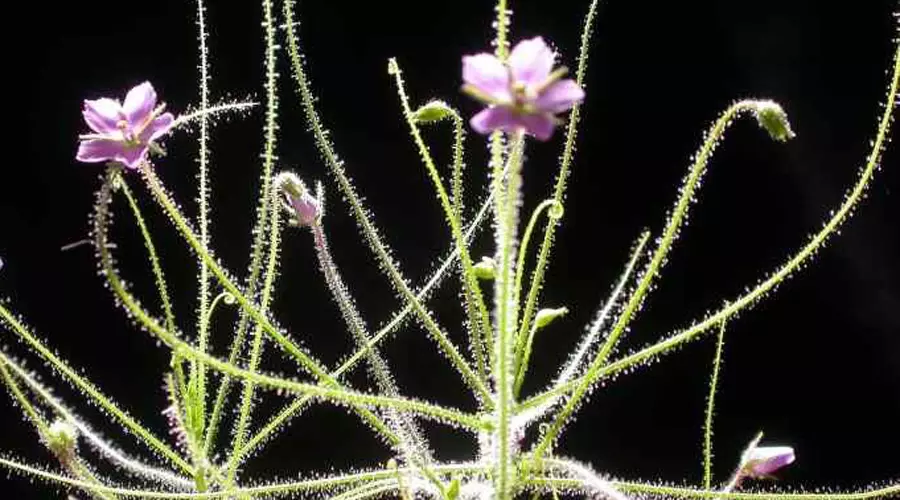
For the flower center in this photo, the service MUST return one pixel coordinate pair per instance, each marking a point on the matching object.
(128, 136)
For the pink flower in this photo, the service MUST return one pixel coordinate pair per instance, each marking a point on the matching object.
(523, 94)
(762, 461)
(306, 207)
(123, 132)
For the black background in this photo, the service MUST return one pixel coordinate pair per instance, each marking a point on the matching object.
(816, 365)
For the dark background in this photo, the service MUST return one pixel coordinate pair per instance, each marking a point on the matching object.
(817, 365)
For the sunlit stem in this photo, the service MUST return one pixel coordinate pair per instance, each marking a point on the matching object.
(451, 213)
(107, 449)
(668, 237)
(203, 294)
(508, 196)
(710, 408)
(295, 407)
(523, 337)
(758, 292)
(565, 165)
(158, 275)
(92, 392)
(73, 464)
(411, 443)
(262, 211)
(274, 247)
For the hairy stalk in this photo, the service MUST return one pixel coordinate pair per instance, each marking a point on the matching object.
(412, 444)
(757, 293)
(295, 407)
(285, 490)
(679, 212)
(158, 275)
(88, 389)
(211, 111)
(203, 294)
(663, 491)
(257, 251)
(386, 262)
(576, 362)
(710, 406)
(184, 349)
(508, 203)
(73, 464)
(103, 447)
(240, 432)
(523, 342)
(471, 288)
(456, 184)
(565, 165)
(590, 480)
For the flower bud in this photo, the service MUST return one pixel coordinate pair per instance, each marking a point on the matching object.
(762, 461)
(545, 316)
(300, 202)
(486, 269)
(61, 439)
(432, 112)
(773, 119)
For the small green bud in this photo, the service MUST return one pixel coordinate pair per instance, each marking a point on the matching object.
(545, 316)
(453, 489)
(773, 119)
(432, 112)
(486, 269)
(61, 439)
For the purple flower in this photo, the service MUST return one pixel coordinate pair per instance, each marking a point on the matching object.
(525, 93)
(306, 207)
(123, 132)
(299, 201)
(762, 461)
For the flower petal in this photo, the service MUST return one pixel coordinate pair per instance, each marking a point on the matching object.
(559, 96)
(531, 61)
(487, 74)
(102, 114)
(539, 125)
(493, 118)
(157, 128)
(98, 150)
(132, 157)
(139, 103)
(764, 460)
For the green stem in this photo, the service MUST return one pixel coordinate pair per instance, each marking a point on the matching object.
(710, 406)
(692, 181)
(508, 199)
(92, 392)
(523, 337)
(470, 282)
(203, 294)
(240, 434)
(262, 210)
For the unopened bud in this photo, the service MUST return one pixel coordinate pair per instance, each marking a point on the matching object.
(61, 439)
(486, 269)
(545, 316)
(762, 461)
(432, 112)
(299, 200)
(774, 120)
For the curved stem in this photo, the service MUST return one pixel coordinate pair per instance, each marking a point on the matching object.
(470, 282)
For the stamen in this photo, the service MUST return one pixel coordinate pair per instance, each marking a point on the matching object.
(554, 77)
